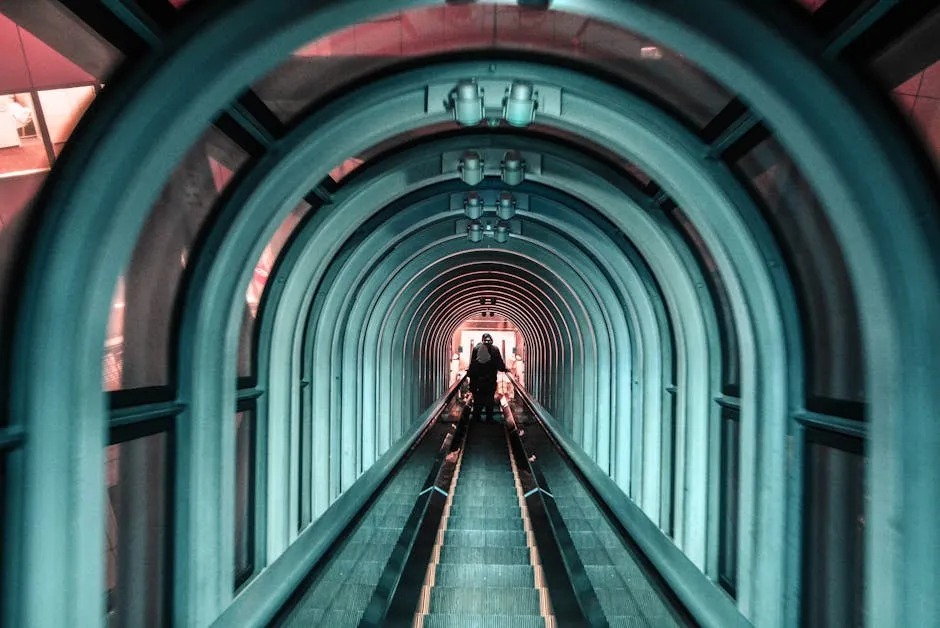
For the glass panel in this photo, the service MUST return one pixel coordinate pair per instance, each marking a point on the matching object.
(153, 276)
(113, 365)
(668, 469)
(341, 171)
(44, 50)
(730, 360)
(244, 495)
(832, 337)
(62, 109)
(728, 551)
(44, 46)
(22, 150)
(833, 554)
(305, 494)
(16, 192)
(634, 171)
(323, 65)
(919, 98)
(812, 5)
(137, 544)
(3, 520)
(256, 286)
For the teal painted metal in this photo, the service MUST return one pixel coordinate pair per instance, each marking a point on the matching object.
(258, 604)
(877, 198)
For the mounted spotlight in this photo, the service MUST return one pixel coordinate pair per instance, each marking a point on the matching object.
(467, 102)
(473, 206)
(513, 168)
(507, 206)
(519, 105)
(475, 231)
(502, 232)
(471, 168)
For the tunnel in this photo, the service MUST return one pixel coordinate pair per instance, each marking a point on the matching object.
(248, 249)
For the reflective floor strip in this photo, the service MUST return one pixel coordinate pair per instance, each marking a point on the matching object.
(424, 604)
(545, 603)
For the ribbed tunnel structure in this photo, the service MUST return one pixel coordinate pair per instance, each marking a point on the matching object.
(719, 247)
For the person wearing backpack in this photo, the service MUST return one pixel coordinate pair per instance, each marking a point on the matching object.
(485, 363)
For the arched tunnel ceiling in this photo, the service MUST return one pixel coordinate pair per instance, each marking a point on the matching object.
(568, 279)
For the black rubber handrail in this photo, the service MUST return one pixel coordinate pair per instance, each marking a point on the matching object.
(291, 603)
(656, 578)
(398, 592)
(574, 601)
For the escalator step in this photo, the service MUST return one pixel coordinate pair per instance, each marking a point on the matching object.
(629, 621)
(365, 571)
(483, 576)
(486, 511)
(488, 538)
(595, 539)
(483, 621)
(478, 523)
(485, 555)
(485, 601)
(368, 535)
(617, 601)
(340, 595)
(317, 617)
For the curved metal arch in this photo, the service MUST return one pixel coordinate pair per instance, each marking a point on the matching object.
(608, 199)
(534, 333)
(547, 345)
(381, 254)
(539, 340)
(557, 317)
(367, 358)
(596, 308)
(443, 318)
(570, 319)
(890, 238)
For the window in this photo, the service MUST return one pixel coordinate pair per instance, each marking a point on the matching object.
(153, 277)
(244, 496)
(138, 563)
(814, 258)
(834, 531)
(730, 490)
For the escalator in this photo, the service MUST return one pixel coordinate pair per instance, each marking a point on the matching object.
(484, 525)
(487, 569)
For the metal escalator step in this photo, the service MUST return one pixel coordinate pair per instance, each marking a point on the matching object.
(365, 571)
(486, 511)
(483, 621)
(605, 576)
(481, 576)
(346, 596)
(368, 535)
(338, 619)
(478, 523)
(488, 538)
(579, 524)
(485, 601)
(485, 555)
(595, 539)
(305, 617)
(617, 601)
(503, 493)
(629, 621)
(595, 556)
(651, 604)
(503, 489)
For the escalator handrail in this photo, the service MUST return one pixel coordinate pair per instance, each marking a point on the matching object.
(267, 605)
(704, 602)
